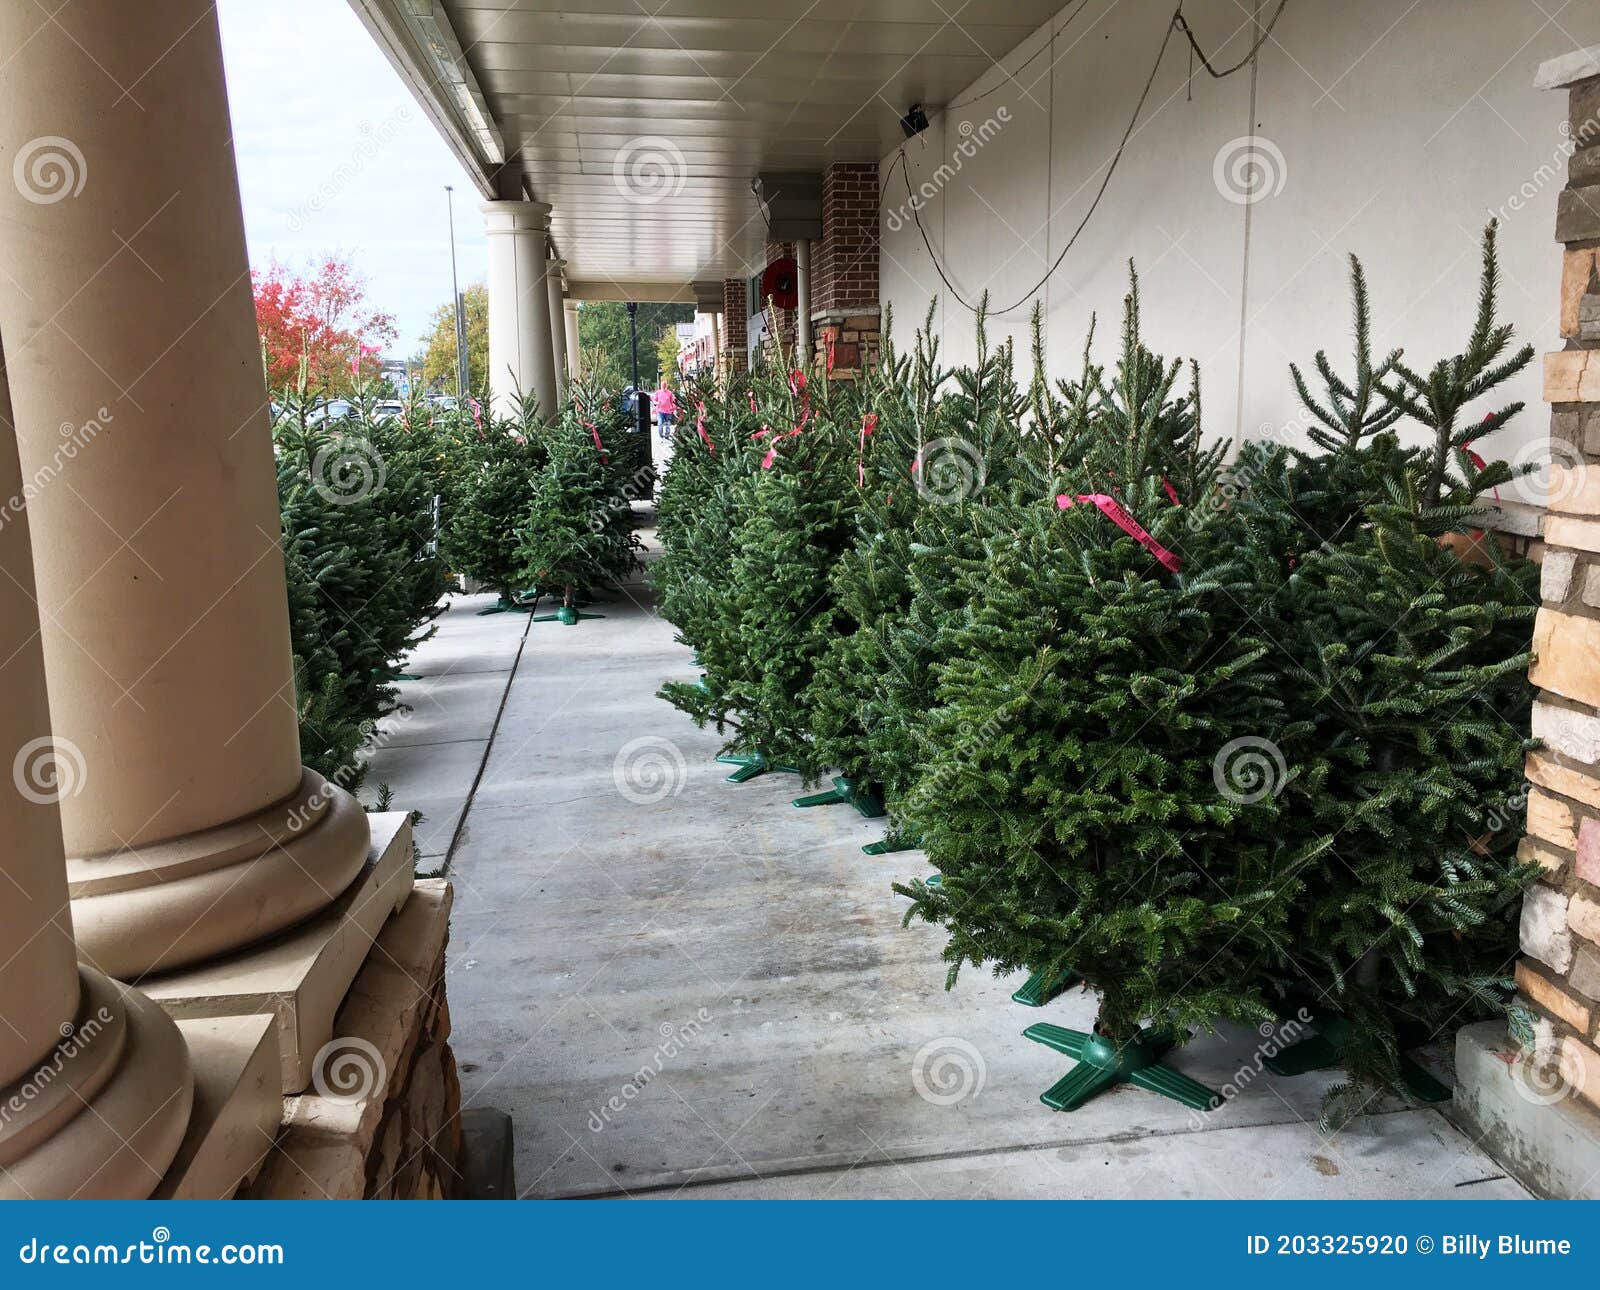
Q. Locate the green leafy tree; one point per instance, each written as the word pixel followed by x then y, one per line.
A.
pixel 439 367
pixel 603 340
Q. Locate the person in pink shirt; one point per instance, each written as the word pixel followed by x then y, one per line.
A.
pixel 665 405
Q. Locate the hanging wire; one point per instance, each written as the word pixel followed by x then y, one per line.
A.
pixel 1177 24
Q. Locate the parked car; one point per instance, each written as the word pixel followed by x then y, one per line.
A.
pixel 388 410
pixel 333 410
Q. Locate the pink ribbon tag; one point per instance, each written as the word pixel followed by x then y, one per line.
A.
pixel 762 433
pixel 599 447
pixel 1478 461
pixel 869 423
pixel 1112 510
pixel 752 399
pixel 700 425
pixel 1172 493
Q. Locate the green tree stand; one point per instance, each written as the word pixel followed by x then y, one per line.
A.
pixel 752 764
pixel 843 791
pixel 1040 989
pixel 566 614
pixel 522 604
pixel 1326 1048
pixel 1101 1064
pixel 892 845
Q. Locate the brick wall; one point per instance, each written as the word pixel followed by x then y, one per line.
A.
pixel 844 264
pixel 734 336
pixel 1560 977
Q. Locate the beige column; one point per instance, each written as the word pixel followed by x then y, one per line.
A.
pixel 558 324
pixel 126 306
pixel 95 1086
pixel 716 347
pixel 574 352
pixel 521 358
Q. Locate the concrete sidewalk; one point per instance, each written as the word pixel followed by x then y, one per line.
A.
pixel 677 986
pixel 429 754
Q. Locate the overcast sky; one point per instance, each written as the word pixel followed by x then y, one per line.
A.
pixel 335 155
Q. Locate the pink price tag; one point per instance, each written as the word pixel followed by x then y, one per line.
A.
pixel 869 423
pixel 700 425
pixel 1112 510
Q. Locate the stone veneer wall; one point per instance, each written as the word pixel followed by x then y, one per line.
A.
pixel 1560 975
pixel 383 1118
pixel 845 343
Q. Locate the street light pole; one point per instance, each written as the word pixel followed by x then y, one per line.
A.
pixel 455 290
pixel 641 408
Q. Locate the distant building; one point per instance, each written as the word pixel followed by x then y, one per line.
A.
pixel 696 348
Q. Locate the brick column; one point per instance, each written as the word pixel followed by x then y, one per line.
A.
pixel 1560 975
pixel 734 336
pixel 844 270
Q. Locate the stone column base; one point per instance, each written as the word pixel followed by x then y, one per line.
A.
pixel 851 338
pixel 383 1120
pixel 169 904
pixel 103 1116
pixel 237 1107
pixel 1537 1130
pixel 300 978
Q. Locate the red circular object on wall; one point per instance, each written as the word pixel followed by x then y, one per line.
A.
pixel 780 282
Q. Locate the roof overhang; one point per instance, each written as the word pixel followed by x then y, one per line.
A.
pixel 646 126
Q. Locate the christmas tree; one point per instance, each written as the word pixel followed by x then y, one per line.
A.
pixel 1085 692
pixel 494 489
pixel 576 532
pixel 363 578
pixel 1408 667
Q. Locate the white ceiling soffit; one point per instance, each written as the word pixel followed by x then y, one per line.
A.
pixel 643 122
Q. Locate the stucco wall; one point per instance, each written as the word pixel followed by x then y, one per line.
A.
pixel 1401 128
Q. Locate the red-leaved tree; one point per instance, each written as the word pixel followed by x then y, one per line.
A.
pixel 321 318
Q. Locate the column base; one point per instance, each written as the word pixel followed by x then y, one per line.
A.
pixel 1535 1126
pixel 173 903
pixel 237 1108
pixel 301 978
pixel 102 1117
